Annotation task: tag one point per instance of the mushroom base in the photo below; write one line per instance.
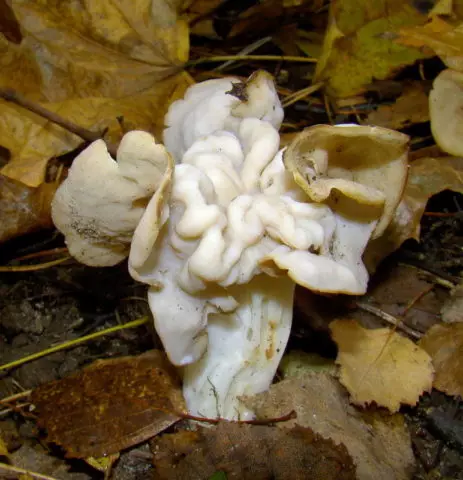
(244, 349)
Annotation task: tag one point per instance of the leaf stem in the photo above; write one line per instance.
(10, 95)
(263, 58)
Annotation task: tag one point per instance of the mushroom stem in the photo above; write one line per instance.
(245, 348)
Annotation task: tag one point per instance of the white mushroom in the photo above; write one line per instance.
(101, 201)
(445, 110)
(236, 236)
(220, 105)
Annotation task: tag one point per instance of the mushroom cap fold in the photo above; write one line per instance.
(446, 111)
(220, 104)
(101, 201)
(356, 170)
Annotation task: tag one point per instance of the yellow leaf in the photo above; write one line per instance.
(441, 37)
(118, 58)
(358, 46)
(3, 448)
(445, 345)
(380, 365)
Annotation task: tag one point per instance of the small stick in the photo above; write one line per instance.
(289, 416)
(12, 96)
(388, 318)
(26, 473)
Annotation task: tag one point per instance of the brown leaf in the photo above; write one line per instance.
(445, 345)
(411, 107)
(380, 365)
(9, 24)
(427, 177)
(379, 444)
(452, 310)
(111, 405)
(24, 209)
(113, 59)
(250, 452)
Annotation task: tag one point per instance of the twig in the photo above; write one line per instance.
(262, 58)
(246, 51)
(300, 94)
(33, 268)
(266, 421)
(12, 96)
(26, 473)
(388, 318)
(72, 343)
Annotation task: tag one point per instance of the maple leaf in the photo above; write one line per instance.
(94, 65)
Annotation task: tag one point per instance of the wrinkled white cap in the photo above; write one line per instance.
(101, 201)
(220, 105)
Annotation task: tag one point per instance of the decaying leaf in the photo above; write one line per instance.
(380, 365)
(452, 310)
(378, 443)
(440, 37)
(112, 60)
(24, 209)
(444, 343)
(358, 47)
(411, 107)
(111, 405)
(427, 177)
(250, 452)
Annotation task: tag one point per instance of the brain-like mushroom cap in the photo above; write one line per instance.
(220, 105)
(101, 201)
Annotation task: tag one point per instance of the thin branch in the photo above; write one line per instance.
(266, 421)
(12, 96)
(388, 318)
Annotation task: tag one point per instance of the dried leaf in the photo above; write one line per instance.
(358, 46)
(3, 448)
(380, 365)
(9, 24)
(452, 310)
(111, 405)
(411, 107)
(445, 345)
(427, 177)
(379, 444)
(444, 39)
(250, 452)
(113, 59)
(24, 209)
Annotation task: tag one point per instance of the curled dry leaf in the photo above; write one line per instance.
(111, 405)
(378, 443)
(380, 365)
(358, 47)
(117, 59)
(427, 177)
(250, 452)
(444, 343)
